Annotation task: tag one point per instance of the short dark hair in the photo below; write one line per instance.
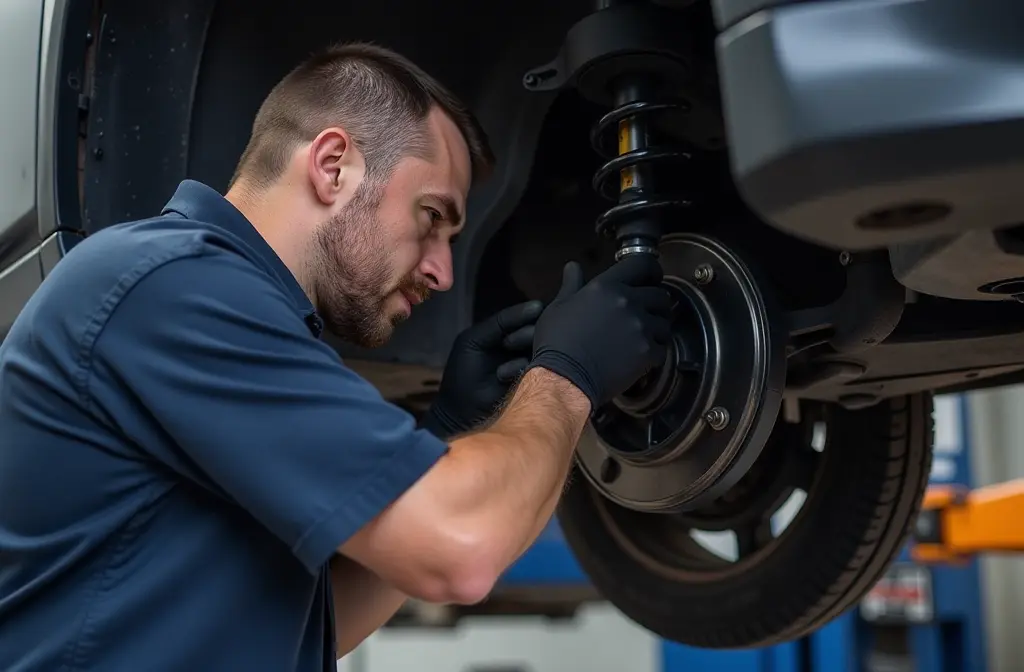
(380, 97)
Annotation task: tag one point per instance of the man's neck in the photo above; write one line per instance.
(264, 211)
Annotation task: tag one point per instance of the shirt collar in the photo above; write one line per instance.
(194, 200)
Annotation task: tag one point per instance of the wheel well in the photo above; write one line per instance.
(174, 88)
(176, 85)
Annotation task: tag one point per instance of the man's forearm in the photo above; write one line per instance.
(363, 602)
(523, 459)
(448, 538)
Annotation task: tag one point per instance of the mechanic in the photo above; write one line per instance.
(192, 479)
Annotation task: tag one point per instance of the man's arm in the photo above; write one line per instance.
(506, 480)
(453, 533)
(363, 603)
(229, 390)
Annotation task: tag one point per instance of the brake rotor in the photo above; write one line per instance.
(690, 430)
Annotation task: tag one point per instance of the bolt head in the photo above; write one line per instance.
(717, 418)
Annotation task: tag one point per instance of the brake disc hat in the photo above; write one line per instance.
(691, 430)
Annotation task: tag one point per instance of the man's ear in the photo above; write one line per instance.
(335, 166)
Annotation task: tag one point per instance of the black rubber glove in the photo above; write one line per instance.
(606, 335)
(485, 361)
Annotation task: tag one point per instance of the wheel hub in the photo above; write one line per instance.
(691, 429)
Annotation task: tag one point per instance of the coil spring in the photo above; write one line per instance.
(641, 202)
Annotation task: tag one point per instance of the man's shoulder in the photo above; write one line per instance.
(113, 260)
(135, 247)
(94, 278)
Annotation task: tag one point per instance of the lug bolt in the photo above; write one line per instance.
(717, 418)
(703, 274)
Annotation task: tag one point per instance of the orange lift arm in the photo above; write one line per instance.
(956, 523)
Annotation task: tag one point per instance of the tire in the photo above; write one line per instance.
(866, 491)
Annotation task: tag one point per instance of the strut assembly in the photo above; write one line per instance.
(623, 57)
(690, 430)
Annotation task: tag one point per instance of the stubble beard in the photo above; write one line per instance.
(352, 272)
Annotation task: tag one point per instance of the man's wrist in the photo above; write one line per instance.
(546, 409)
(576, 401)
(567, 370)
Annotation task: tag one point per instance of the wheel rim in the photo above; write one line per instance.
(691, 430)
(788, 466)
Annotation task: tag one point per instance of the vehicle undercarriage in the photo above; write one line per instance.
(841, 235)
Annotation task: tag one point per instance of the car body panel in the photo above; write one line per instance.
(21, 28)
(20, 31)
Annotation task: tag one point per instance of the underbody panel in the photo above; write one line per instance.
(884, 123)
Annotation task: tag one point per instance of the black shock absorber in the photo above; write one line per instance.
(631, 57)
(628, 177)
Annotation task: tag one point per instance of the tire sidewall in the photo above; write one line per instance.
(859, 504)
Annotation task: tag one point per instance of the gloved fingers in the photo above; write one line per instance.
(506, 322)
(637, 270)
(655, 300)
(512, 318)
(520, 340)
(509, 371)
(660, 330)
(572, 280)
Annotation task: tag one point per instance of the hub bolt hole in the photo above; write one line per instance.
(610, 470)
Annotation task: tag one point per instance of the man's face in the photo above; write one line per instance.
(389, 246)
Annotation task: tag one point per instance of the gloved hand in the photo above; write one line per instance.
(604, 336)
(485, 361)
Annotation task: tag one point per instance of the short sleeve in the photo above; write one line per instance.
(228, 387)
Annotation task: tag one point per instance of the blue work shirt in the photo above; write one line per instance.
(180, 455)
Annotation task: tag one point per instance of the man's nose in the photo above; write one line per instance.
(437, 267)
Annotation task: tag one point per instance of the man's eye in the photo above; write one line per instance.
(435, 216)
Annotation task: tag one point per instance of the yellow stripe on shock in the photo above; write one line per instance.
(627, 176)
